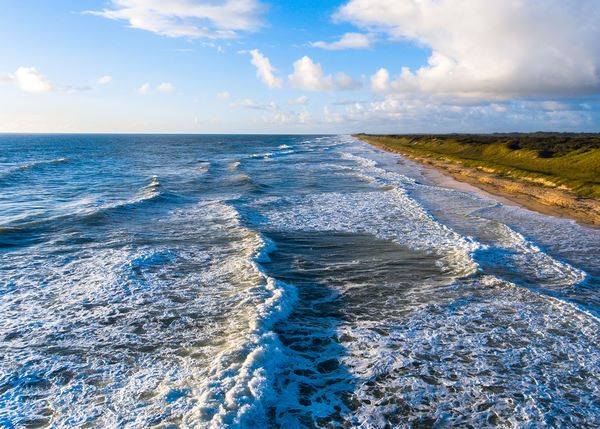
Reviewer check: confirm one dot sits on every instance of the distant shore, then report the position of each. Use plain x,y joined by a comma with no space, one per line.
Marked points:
533,192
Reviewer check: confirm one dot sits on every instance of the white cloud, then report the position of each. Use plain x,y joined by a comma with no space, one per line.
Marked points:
264,70
490,49
343,82
303,117
347,41
380,81
499,108
300,101
554,105
408,113
309,76
331,116
224,95
274,115
144,89
105,80
29,79
251,104
165,87
71,89
187,18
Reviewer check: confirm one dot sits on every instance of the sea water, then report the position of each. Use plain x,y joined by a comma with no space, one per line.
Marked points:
281,281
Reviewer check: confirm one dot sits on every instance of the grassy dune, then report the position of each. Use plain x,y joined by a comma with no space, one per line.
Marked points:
564,161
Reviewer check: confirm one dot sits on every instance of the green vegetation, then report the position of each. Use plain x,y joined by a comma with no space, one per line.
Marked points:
551,159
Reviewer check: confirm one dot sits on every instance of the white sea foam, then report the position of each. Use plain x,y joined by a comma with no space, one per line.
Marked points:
170,320
238,389
485,362
18,168
508,247
232,166
530,260
506,251
204,167
149,192
264,155
33,164
118,301
388,215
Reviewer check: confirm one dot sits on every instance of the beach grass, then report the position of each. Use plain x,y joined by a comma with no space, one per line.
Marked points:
557,160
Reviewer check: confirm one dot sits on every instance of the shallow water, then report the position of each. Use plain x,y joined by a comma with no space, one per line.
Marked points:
281,281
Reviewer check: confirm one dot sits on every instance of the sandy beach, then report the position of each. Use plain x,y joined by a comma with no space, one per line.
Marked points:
551,201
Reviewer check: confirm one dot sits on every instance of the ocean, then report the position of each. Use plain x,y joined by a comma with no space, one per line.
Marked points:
187,281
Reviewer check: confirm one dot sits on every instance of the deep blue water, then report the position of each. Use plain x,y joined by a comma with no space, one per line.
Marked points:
281,281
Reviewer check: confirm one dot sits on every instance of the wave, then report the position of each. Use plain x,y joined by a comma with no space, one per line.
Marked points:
239,390
204,166
150,192
232,166
201,305
510,252
264,155
16,237
32,165
476,358
240,178
525,259
361,161
391,215
505,252
146,194
154,183
91,206
8,230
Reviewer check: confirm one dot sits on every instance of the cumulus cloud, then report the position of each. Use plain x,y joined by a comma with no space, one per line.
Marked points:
489,49
380,81
254,105
303,117
165,87
105,80
431,113
146,88
274,114
553,105
223,95
347,41
332,117
187,18
29,79
265,72
300,101
71,89
309,76
343,82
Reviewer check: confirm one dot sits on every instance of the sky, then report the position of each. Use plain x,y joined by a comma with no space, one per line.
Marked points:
299,66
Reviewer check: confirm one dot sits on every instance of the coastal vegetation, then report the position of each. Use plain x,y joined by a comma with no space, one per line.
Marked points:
569,162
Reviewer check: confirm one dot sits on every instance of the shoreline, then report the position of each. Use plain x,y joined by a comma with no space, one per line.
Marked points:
508,191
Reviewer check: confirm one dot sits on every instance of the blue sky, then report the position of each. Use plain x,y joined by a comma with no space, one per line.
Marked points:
250,66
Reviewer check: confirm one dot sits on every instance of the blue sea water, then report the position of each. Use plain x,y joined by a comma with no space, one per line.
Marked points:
281,281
